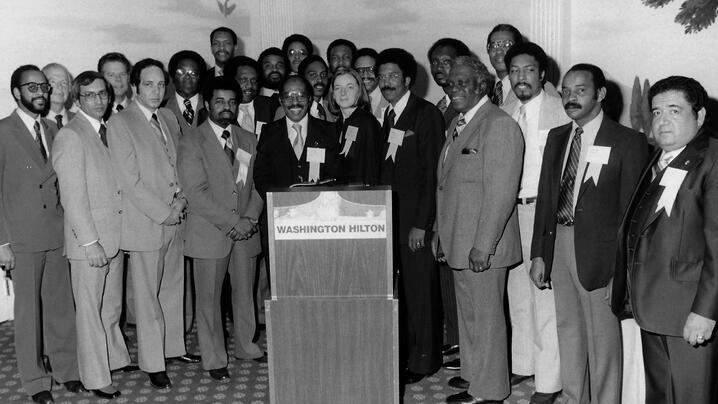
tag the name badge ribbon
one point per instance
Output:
(671, 182)
(396, 138)
(258, 129)
(315, 157)
(243, 158)
(596, 158)
(349, 138)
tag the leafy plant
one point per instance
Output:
(694, 15)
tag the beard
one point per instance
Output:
(35, 109)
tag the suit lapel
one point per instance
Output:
(214, 150)
(561, 144)
(603, 138)
(27, 141)
(470, 131)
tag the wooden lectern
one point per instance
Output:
(332, 323)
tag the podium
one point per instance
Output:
(332, 321)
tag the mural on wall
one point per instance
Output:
(225, 8)
(694, 15)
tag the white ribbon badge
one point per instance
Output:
(315, 157)
(671, 182)
(396, 138)
(258, 129)
(349, 138)
(596, 158)
(243, 158)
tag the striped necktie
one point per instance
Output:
(188, 113)
(228, 146)
(565, 198)
(38, 139)
(498, 97)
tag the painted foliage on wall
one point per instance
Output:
(694, 15)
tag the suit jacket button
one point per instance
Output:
(172, 184)
(119, 192)
(119, 211)
(44, 206)
(40, 186)
(234, 210)
(441, 188)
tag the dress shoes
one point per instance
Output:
(127, 369)
(466, 398)
(459, 383)
(187, 358)
(449, 349)
(544, 398)
(43, 397)
(411, 377)
(517, 379)
(107, 395)
(74, 386)
(454, 364)
(160, 380)
(219, 374)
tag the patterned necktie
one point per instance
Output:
(58, 119)
(103, 134)
(459, 127)
(298, 144)
(498, 97)
(38, 139)
(565, 198)
(442, 105)
(155, 123)
(188, 113)
(388, 122)
(321, 111)
(119, 107)
(228, 146)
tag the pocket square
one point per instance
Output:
(408, 133)
(469, 150)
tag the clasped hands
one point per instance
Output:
(478, 260)
(178, 213)
(244, 229)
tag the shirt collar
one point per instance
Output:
(400, 105)
(218, 130)
(533, 106)
(146, 112)
(28, 120)
(469, 115)
(194, 100)
(592, 126)
(304, 122)
(669, 156)
(94, 122)
(62, 112)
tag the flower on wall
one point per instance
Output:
(694, 15)
(225, 8)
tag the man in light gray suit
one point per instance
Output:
(142, 140)
(215, 165)
(477, 227)
(92, 199)
(534, 339)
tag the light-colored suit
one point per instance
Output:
(478, 178)
(31, 222)
(217, 199)
(534, 340)
(92, 200)
(145, 168)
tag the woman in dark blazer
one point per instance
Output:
(358, 131)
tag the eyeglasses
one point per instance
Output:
(292, 97)
(365, 70)
(390, 76)
(192, 73)
(297, 52)
(93, 96)
(496, 45)
(33, 87)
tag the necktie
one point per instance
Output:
(388, 122)
(498, 97)
(119, 107)
(442, 105)
(228, 146)
(523, 124)
(58, 119)
(568, 179)
(298, 144)
(103, 134)
(321, 111)
(188, 113)
(459, 127)
(155, 123)
(38, 139)
(246, 121)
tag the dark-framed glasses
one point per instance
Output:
(496, 45)
(365, 70)
(389, 76)
(90, 95)
(33, 87)
(294, 96)
(192, 73)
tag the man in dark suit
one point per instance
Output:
(589, 169)
(292, 148)
(441, 56)
(215, 164)
(142, 141)
(477, 227)
(255, 110)
(413, 134)
(187, 69)
(667, 274)
(223, 43)
(31, 227)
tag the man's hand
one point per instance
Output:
(538, 273)
(174, 217)
(436, 248)
(416, 239)
(698, 329)
(478, 261)
(7, 257)
(179, 204)
(244, 227)
(96, 255)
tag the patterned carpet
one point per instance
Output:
(248, 383)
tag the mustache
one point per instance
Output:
(385, 88)
(524, 83)
(572, 105)
(295, 106)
